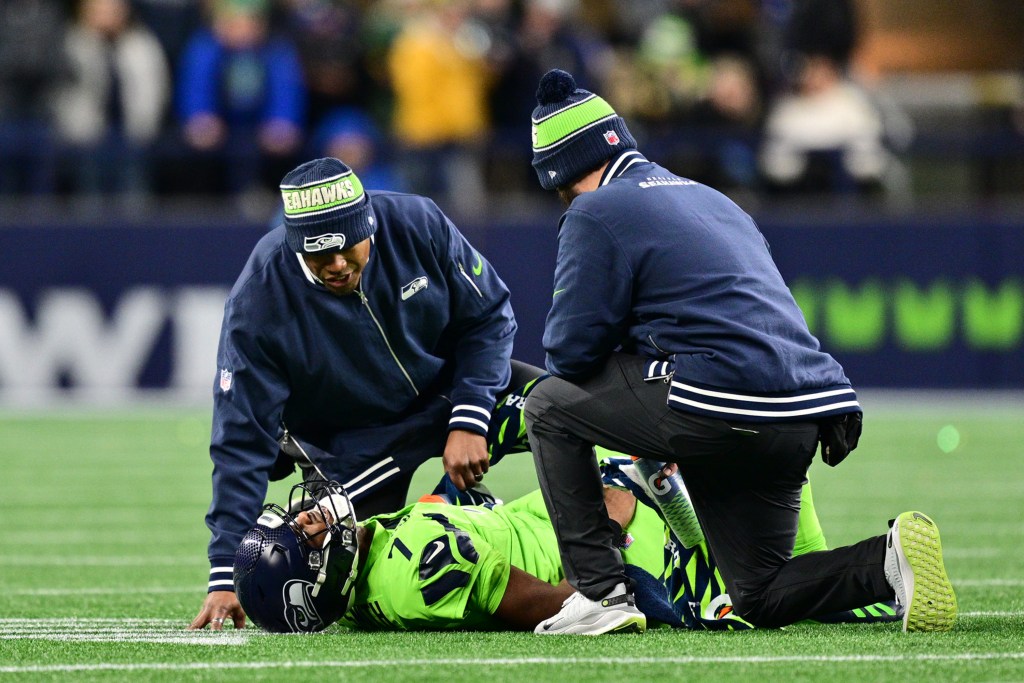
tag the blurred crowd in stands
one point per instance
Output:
(133, 101)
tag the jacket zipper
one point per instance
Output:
(668, 379)
(655, 345)
(362, 297)
(470, 281)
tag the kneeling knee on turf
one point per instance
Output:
(756, 607)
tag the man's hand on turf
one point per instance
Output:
(465, 458)
(219, 606)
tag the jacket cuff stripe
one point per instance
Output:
(468, 423)
(470, 407)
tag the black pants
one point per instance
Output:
(393, 495)
(744, 480)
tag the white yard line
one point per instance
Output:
(391, 664)
(109, 630)
(153, 590)
(7, 622)
(112, 561)
(977, 553)
(976, 583)
(173, 632)
(187, 638)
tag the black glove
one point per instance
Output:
(283, 466)
(838, 436)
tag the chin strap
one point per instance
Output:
(321, 563)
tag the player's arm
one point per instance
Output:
(484, 326)
(248, 401)
(529, 601)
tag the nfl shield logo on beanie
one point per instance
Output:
(325, 207)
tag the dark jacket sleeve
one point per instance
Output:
(481, 313)
(249, 395)
(592, 298)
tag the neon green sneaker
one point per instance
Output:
(914, 569)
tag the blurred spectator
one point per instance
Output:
(111, 110)
(703, 106)
(772, 23)
(439, 74)
(347, 133)
(32, 65)
(547, 35)
(241, 95)
(328, 34)
(172, 22)
(551, 36)
(729, 117)
(500, 19)
(726, 26)
(667, 76)
(825, 134)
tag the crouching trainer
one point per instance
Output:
(363, 336)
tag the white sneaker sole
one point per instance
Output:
(607, 622)
(931, 602)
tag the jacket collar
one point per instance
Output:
(619, 164)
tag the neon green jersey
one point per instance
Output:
(436, 566)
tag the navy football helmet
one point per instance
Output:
(283, 581)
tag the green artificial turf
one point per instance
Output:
(103, 566)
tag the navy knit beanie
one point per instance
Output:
(573, 131)
(325, 207)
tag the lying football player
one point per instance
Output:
(438, 566)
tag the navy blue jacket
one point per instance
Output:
(371, 381)
(672, 270)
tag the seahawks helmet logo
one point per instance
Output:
(299, 611)
(331, 240)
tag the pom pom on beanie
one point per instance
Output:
(555, 86)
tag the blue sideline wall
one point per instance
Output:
(104, 311)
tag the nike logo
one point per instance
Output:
(557, 292)
(918, 515)
(429, 556)
(478, 267)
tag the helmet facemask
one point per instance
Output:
(332, 503)
(288, 580)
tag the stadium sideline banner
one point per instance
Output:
(104, 312)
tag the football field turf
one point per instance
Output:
(103, 566)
